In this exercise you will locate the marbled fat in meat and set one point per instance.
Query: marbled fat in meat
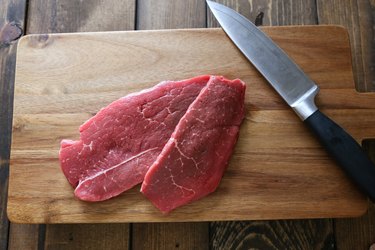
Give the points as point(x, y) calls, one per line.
point(119, 144)
point(194, 159)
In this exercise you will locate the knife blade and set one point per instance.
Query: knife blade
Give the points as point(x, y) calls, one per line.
point(299, 92)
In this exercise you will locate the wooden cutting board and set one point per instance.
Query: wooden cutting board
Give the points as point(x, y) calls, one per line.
point(278, 169)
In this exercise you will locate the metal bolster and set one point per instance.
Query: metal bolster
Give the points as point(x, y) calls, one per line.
point(305, 105)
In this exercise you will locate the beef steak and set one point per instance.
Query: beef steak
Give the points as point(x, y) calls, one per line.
point(193, 161)
point(119, 144)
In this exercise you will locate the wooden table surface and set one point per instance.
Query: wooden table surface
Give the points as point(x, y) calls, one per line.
point(18, 17)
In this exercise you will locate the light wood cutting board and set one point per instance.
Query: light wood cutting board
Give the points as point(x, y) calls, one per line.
point(278, 169)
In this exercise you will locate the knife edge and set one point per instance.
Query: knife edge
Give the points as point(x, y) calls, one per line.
point(287, 78)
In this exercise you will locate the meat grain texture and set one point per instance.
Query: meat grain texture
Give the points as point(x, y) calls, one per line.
point(176, 138)
point(119, 144)
point(193, 161)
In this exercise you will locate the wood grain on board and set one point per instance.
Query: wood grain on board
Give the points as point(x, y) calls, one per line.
point(278, 165)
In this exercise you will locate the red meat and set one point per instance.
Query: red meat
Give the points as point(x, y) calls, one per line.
point(193, 161)
point(119, 144)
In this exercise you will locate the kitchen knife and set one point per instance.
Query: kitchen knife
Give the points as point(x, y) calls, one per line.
point(299, 92)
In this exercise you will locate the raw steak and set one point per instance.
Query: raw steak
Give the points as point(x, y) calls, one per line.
point(119, 144)
point(193, 161)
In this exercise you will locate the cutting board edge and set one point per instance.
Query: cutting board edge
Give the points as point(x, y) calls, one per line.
point(115, 32)
point(25, 38)
point(15, 219)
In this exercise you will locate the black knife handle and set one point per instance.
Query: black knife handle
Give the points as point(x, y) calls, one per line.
point(346, 151)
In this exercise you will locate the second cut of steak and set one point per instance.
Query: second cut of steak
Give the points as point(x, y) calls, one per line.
point(193, 161)
point(119, 144)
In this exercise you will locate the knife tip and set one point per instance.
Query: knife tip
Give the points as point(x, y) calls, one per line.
point(215, 6)
point(210, 3)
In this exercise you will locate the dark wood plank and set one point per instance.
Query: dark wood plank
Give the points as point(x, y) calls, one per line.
point(356, 233)
point(282, 234)
point(357, 16)
point(296, 234)
point(170, 236)
point(51, 16)
point(167, 14)
point(273, 12)
point(87, 236)
point(23, 236)
point(12, 15)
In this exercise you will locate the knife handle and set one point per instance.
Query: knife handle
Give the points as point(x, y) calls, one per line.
point(345, 150)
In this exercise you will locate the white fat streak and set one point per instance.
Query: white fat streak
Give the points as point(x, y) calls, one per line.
point(115, 166)
point(182, 188)
point(181, 153)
